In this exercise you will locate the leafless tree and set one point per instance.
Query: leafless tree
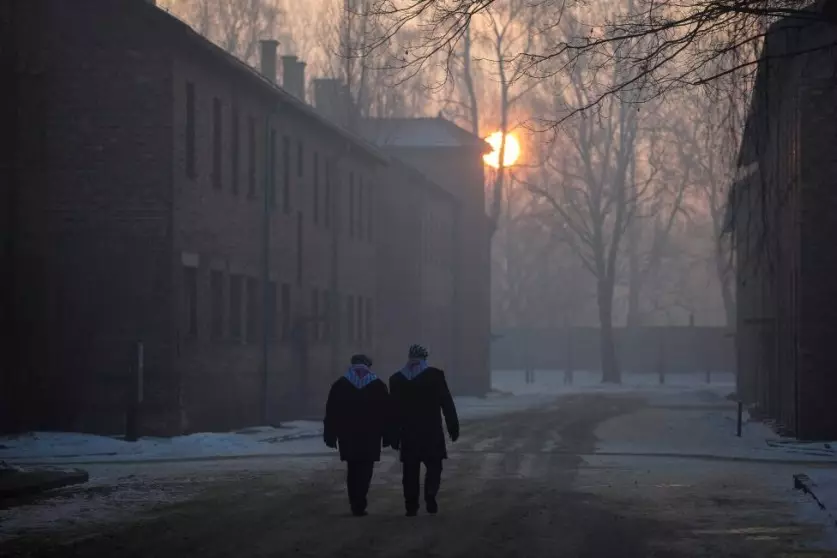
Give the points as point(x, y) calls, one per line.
point(590, 190)
point(235, 25)
point(706, 140)
point(685, 43)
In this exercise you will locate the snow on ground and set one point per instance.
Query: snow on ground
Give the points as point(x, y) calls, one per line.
point(702, 410)
point(292, 438)
point(118, 491)
point(67, 447)
point(552, 382)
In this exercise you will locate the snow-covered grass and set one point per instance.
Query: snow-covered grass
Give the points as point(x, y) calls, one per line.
point(69, 447)
point(292, 438)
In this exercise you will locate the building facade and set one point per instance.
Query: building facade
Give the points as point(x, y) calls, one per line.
point(172, 195)
point(183, 233)
point(782, 217)
point(452, 158)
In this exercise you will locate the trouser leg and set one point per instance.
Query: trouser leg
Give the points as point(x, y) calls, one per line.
point(358, 478)
point(410, 473)
point(432, 481)
point(367, 468)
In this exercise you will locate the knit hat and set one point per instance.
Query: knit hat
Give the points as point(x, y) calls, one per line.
point(417, 352)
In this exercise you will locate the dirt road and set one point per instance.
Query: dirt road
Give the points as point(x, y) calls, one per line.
point(514, 486)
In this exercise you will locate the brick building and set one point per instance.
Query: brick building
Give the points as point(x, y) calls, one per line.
point(164, 193)
point(782, 215)
point(166, 173)
point(415, 268)
point(452, 158)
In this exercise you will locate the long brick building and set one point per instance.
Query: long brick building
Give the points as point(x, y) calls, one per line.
point(175, 212)
point(782, 213)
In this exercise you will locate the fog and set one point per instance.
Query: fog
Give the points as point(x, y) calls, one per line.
point(513, 277)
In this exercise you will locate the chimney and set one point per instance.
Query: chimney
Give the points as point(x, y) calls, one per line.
point(268, 59)
point(300, 69)
point(293, 76)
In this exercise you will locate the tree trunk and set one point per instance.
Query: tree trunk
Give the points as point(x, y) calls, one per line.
point(610, 364)
point(725, 283)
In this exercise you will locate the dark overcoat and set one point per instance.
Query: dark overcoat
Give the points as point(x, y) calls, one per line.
point(357, 419)
point(418, 406)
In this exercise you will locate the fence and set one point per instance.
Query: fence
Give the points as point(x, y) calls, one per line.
point(673, 349)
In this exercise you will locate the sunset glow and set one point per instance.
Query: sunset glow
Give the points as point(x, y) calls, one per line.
point(511, 154)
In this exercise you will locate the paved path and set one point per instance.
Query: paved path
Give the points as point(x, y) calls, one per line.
point(515, 486)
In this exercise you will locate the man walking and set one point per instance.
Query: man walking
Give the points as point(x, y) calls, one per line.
point(420, 396)
point(357, 415)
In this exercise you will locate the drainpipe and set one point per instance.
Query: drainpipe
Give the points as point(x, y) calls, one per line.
point(269, 183)
point(336, 315)
point(268, 69)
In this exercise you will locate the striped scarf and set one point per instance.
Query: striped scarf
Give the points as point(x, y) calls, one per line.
point(413, 369)
point(360, 376)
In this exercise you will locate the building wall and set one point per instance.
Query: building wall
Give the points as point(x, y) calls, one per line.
point(460, 172)
point(415, 269)
point(220, 227)
point(92, 228)
point(783, 221)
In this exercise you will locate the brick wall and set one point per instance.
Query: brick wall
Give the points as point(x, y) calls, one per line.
point(460, 172)
point(93, 230)
point(224, 227)
point(415, 269)
point(783, 223)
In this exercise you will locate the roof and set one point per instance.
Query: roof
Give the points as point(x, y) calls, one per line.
point(269, 86)
point(419, 132)
point(411, 171)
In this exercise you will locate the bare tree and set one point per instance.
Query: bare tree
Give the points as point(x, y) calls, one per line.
point(235, 25)
point(684, 43)
point(593, 199)
point(706, 137)
point(665, 184)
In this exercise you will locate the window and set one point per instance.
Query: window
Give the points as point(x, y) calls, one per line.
point(190, 282)
point(252, 310)
point(360, 198)
point(326, 309)
point(300, 158)
point(370, 196)
point(235, 307)
point(251, 157)
point(351, 205)
point(235, 149)
point(272, 310)
point(286, 311)
point(300, 243)
point(217, 138)
point(369, 319)
point(316, 187)
point(327, 201)
point(216, 288)
point(315, 313)
point(190, 130)
point(271, 171)
point(350, 318)
point(360, 311)
point(286, 173)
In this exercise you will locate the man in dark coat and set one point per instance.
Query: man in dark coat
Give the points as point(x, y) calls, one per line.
point(357, 416)
point(420, 396)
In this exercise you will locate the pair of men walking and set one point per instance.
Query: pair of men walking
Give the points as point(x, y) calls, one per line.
point(362, 416)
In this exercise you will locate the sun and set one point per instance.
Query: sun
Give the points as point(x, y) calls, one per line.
point(511, 154)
